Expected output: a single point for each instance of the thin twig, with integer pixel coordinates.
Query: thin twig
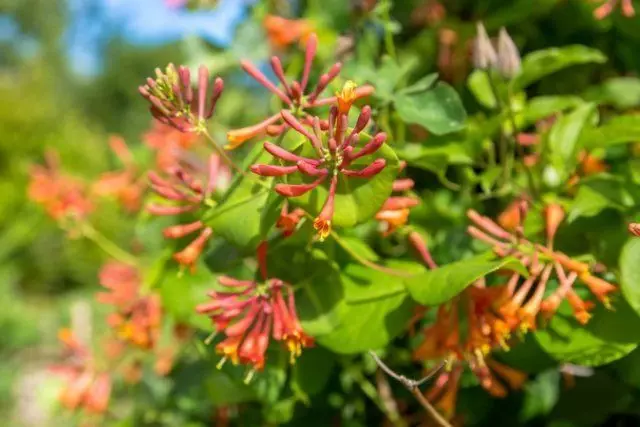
(414, 387)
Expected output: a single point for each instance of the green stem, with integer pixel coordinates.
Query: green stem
(107, 245)
(223, 154)
(388, 36)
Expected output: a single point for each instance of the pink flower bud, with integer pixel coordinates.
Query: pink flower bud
(296, 190)
(273, 170)
(371, 170)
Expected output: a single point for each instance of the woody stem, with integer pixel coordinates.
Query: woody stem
(413, 387)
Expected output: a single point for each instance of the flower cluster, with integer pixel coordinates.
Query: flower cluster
(170, 144)
(137, 319)
(297, 97)
(522, 302)
(250, 313)
(85, 387)
(173, 101)
(63, 197)
(505, 59)
(333, 155)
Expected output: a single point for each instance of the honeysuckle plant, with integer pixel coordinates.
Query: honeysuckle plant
(371, 232)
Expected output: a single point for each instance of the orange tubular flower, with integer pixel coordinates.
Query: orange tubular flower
(607, 7)
(334, 152)
(297, 97)
(284, 32)
(395, 212)
(524, 305)
(250, 314)
(138, 317)
(188, 189)
(124, 185)
(62, 197)
(85, 388)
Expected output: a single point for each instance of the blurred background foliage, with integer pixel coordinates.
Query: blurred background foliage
(46, 103)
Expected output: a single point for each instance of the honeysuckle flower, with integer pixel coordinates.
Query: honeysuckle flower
(512, 218)
(63, 197)
(288, 221)
(526, 299)
(170, 144)
(283, 32)
(125, 185)
(604, 10)
(187, 193)
(173, 101)
(395, 212)
(590, 164)
(334, 149)
(634, 228)
(297, 96)
(137, 318)
(250, 314)
(85, 388)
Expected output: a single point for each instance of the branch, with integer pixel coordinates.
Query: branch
(414, 387)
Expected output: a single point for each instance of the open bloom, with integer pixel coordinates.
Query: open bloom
(63, 197)
(297, 96)
(187, 189)
(173, 101)
(333, 156)
(283, 32)
(137, 319)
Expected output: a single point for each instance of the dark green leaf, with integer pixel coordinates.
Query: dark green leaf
(438, 286)
(368, 325)
(630, 273)
(564, 136)
(621, 92)
(542, 107)
(618, 130)
(608, 336)
(542, 63)
(311, 372)
(439, 110)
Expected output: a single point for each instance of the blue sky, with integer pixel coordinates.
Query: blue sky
(143, 22)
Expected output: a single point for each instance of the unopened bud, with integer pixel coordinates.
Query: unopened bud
(484, 55)
(553, 216)
(509, 62)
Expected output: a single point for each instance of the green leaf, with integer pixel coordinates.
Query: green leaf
(621, 92)
(311, 372)
(364, 284)
(182, 292)
(368, 325)
(542, 63)
(564, 136)
(618, 130)
(630, 273)
(608, 336)
(357, 199)
(438, 286)
(421, 85)
(628, 368)
(439, 110)
(542, 107)
(541, 395)
(480, 86)
(223, 390)
(597, 194)
(238, 216)
(437, 156)
(315, 278)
